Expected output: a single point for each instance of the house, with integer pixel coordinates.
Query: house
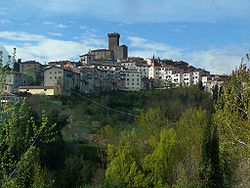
(33, 71)
(61, 77)
(30, 66)
(87, 58)
(133, 80)
(40, 90)
(13, 80)
(100, 79)
(197, 75)
(54, 76)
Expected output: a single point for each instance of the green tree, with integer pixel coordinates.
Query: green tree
(2, 73)
(233, 122)
(189, 130)
(125, 162)
(152, 121)
(23, 137)
(210, 165)
(160, 165)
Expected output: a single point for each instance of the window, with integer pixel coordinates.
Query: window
(50, 77)
(127, 79)
(45, 89)
(55, 77)
(50, 72)
(133, 84)
(132, 79)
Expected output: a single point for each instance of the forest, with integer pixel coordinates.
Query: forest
(179, 137)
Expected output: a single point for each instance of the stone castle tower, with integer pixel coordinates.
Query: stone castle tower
(120, 52)
(113, 40)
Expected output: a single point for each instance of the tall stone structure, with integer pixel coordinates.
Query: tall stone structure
(120, 52)
(113, 40)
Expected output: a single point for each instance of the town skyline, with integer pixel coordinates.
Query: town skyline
(214, 37)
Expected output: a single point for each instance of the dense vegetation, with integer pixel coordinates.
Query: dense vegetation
(182, 137)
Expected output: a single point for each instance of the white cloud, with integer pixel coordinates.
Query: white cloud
(216, 60)
(56, 34)
(48, 23)
(147, 48)
(21, 36)
(61, 26)
(42, 48)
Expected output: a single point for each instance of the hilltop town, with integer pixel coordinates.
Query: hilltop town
(105, 70)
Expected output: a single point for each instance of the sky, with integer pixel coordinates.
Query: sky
(211, 34)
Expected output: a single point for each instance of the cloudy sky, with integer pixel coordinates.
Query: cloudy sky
(211, 34)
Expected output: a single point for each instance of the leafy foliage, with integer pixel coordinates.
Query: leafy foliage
(232, 119)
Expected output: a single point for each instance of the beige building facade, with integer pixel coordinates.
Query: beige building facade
(54, 76)
(40, 90)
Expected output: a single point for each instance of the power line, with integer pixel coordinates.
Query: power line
(103, 106)
(86, 98)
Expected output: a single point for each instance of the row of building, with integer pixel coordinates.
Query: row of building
(104, 70)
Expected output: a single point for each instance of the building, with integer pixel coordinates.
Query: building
(30, 66)
(113, 53)
(72, 79)
(54, 76)
(87, 58)
(215, 80)
(95, 79)
(65, 64)
(13, 80)
(133, 80)
(102, 55)
(177, 78)
(40, 90)
(33, 71)
(187, 78)
(120, 52)
(61, 77)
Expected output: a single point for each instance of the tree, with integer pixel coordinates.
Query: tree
(125, 162)
(160, 165)
(2, 73)
(210, 165)
(232, 117)
(152, 121)
(23, 137)
(189, 130)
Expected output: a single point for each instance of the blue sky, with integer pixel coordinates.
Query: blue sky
(211, 34)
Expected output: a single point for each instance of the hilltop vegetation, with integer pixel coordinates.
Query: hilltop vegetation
(183, 137)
